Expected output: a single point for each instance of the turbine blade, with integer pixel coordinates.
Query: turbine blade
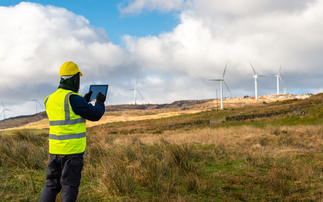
(261, 76)
(225, 69)
(215, 79)
(130, 89)
(253, 69)
(227, 87)
(140, 94)
(280, 69)
(40, 104)
(280, 78)
(2, 104)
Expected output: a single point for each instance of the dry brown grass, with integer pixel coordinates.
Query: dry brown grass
(285, 161)
(236, 163)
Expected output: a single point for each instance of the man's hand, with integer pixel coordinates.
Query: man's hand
(87, 96)
(100, 97)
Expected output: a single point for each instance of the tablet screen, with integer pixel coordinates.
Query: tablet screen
(98, 88)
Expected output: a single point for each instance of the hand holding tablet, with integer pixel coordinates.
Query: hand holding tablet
(96, 89)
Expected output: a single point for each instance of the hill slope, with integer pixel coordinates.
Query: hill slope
(125, 113)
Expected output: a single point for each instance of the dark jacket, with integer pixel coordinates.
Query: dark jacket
(87, 110)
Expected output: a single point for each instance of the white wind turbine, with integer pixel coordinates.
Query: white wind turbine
(221, 85)
(285, 89)
(37, 102)
(4, 111)
(278, 77)
(256, 77)
(134, 91)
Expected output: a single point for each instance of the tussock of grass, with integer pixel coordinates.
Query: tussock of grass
(23, 150)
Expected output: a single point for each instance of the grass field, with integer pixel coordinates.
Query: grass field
(184, 158)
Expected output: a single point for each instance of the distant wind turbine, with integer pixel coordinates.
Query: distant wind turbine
(134, 91)
(278, 77)
(256, 77)
(4, 111)
(37, 103)
(285, 89)
(221, 85)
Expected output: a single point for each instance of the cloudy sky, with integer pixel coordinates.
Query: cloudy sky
(172, 47)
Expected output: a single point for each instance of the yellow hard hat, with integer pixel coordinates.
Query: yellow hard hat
(69, 68)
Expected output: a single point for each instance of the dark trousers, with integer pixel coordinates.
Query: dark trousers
(63, 172)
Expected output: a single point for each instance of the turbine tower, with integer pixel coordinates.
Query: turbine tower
(278, 77)
(256, 77)
(134, 91)
(221, 85)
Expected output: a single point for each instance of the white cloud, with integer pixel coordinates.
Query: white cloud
(231, 9)
(216, 8)
(36, 40)
(202, 44)
(154, 80)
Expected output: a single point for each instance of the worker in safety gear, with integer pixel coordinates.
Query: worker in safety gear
(67, 111)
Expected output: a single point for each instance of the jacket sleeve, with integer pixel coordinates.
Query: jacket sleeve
(87, 110)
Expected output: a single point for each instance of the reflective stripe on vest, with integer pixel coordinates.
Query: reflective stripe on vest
(66, 122)
(67, 130)
(66, 137)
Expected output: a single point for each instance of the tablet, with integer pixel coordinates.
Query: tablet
(103, 88)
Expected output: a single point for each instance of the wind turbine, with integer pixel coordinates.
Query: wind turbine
(278, 77)
(256, 77)
(4, 111)
(134, 91)
(37, 102)
(285, 89)
(221, 85)
(4, 115)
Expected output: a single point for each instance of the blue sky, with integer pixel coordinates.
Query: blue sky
(105, 14)
(172, 47)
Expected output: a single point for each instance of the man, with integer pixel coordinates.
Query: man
(67, 111)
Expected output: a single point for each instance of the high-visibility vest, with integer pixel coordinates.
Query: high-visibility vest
(67, 131)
